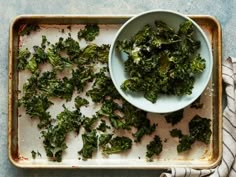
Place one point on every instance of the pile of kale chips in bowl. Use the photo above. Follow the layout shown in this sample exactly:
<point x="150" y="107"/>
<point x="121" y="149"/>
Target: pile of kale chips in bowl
<point x="160" y="61"/>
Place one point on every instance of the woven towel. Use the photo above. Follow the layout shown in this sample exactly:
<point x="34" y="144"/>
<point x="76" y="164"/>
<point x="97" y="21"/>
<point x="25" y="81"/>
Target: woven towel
<point x="227" y="167"/>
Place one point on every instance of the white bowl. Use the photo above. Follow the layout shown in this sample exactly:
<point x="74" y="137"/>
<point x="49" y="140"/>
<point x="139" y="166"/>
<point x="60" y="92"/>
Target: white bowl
<point x="164" y="103"/>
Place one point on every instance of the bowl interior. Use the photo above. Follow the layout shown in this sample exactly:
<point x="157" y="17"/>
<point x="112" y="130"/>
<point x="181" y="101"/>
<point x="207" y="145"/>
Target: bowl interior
<point x="164" y="103"/>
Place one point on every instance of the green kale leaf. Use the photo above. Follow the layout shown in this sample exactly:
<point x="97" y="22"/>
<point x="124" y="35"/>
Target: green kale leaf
<point x="200" y="129"/>
<point x="174" y="117"/>
<point x="23" y="55"/>
<point x="154" y="147"/>
<point x="89" y="32"/>
<point x="117" y="145"/>
<point x="103" y="126"/>
<point x="90" y="144"/>
<point x="185" y="143"/>
<point x="79" y="102"/>
<point x="104" y="139"/>
<point x="176" y="133"/>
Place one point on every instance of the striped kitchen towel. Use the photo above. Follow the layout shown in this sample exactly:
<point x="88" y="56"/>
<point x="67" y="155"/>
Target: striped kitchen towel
<point x="227" y="167"/>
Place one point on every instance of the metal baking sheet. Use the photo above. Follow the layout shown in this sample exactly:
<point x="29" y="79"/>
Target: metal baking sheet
<point x="24" y="136"/>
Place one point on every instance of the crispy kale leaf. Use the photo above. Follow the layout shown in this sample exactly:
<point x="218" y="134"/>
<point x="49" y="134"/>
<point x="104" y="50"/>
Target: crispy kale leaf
<point x="22" y="57"/>
<point x="176" y="133"/>
<point x="39" y="54"/>
<point x="102" y="88"/>
<point x="72" y="48"/>
<point x="158" y="58"/>
<point x="138" y="119"/>
<point x="90" y="144"/>
<point x="68" y="46"/>
<point x="104" y="139"/>
<point x="79" y="102"/>
<point x="132" y="117"/>
<point x="88" y="55"/>
<point x="53" y="87"/>
<point x="58" y="62"/>
<point x="117" y="144"/>
<point x="69" y="120"/>
<point x="103" y="126"/>
<point x="108" y="109"/>
<point x="27" y="29"/>
<point x="55" y="136"/>
<point x="154" y="147"/>
<point x="81" y="76"/>
<point x="36" y="107"/>
<point x="174" y="117"/>
<point x="103" y="52"/>
<point x="31" y="85"/>
<point x="88" y="122"/>
<point x="32" y="65"/>
<point x="89" y="32"/>
<point x="54" y="142"/>
<point x="93" y="53"/>
<point x="200" y="129"/>
<point x="185" y="143"/>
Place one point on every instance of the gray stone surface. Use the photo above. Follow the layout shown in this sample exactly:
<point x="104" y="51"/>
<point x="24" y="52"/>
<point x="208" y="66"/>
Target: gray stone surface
<point x="223" y="10"/>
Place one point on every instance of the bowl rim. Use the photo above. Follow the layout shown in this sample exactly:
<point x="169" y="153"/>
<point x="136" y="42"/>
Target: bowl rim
<point x="112" y="48"/>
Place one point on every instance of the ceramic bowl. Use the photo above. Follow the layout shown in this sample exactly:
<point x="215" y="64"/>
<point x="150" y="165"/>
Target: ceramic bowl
<point x="164" y="103"/>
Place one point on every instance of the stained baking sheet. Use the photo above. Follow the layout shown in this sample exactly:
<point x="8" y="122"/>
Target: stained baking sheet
<point x="24" y="135"/>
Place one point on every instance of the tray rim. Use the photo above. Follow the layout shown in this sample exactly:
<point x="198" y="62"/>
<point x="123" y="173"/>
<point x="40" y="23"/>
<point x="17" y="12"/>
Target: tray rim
<point x="14" y="161"/>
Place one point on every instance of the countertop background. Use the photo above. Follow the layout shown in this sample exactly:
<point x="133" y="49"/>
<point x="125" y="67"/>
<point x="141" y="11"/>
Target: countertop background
<point x="223" y="10"/>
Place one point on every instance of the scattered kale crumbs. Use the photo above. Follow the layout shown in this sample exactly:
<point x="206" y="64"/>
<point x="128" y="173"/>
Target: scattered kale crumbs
<point x="89" y="32"/>
<point x="34" y="154"/>
<point x="158" y="58"/>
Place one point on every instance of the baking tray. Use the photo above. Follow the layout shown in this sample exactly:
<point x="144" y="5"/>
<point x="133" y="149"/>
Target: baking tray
<point x="23" y="136"/>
